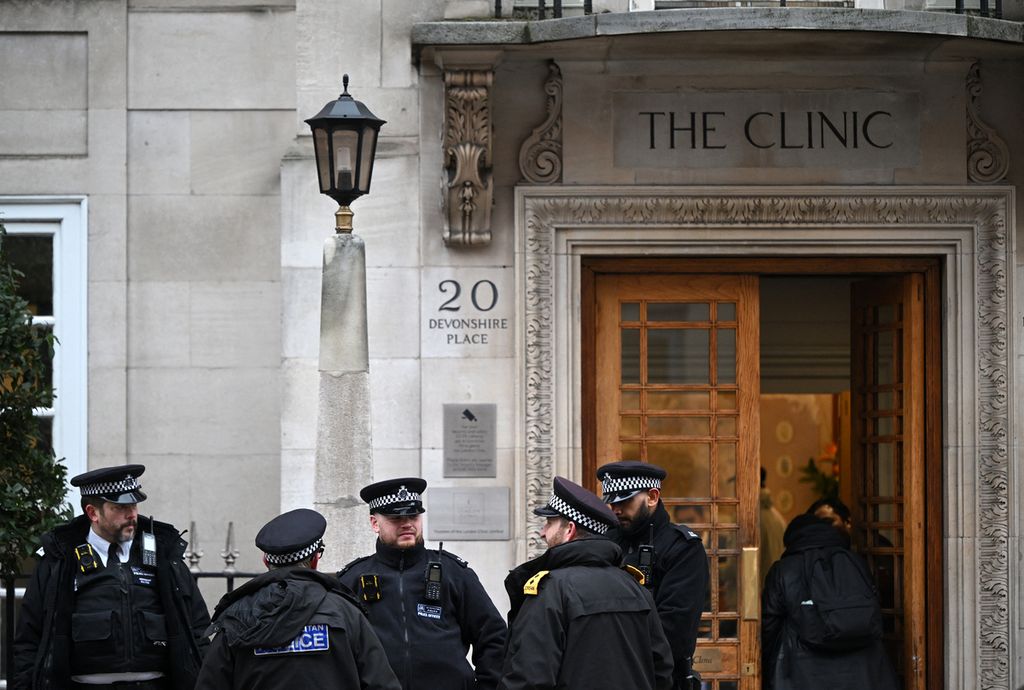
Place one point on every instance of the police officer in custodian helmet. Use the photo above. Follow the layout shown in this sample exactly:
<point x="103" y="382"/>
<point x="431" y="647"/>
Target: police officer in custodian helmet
<point x="428" y="607"/>
<point x="293" y="627"/>
<point x="111" y="603"/>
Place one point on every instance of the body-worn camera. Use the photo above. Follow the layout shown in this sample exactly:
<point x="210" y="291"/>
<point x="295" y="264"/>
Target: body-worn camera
<point x="87" y="559"/>
<point x="369" y="585"/>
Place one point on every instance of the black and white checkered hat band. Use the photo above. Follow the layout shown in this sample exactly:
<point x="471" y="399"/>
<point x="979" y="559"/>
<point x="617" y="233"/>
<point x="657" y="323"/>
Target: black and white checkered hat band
<point x="109" y="488"/>
<point x="585" y="521"/>
<point x="613" y="485"/>
<point x="403" y="496"/>
<point x="295" y="556"/>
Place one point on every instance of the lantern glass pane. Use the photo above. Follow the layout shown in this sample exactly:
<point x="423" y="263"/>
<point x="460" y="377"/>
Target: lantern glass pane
<point x="344" y="143"/>
<point x="323" y="162"/>
<point x="366" y="158"/>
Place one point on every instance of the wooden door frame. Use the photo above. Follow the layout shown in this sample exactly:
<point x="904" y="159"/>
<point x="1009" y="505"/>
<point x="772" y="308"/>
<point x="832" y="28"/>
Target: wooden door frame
<point x="929" y="267"/>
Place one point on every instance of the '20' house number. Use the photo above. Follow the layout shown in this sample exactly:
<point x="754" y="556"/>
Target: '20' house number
<point x="489" y="295"/>
<point x="467" y="330"/>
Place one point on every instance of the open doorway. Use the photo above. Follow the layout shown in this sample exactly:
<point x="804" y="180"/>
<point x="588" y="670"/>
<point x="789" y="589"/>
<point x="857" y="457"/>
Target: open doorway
<point x="811" y="369"/>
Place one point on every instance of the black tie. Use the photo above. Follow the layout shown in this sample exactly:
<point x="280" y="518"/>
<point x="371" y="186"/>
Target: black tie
<point x="114" y="555"/>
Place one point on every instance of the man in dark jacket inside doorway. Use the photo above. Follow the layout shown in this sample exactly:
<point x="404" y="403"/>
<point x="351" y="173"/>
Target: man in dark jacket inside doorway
<point x="793" y="659"/>
<point x="111" y="603"/>
<point x="578" y="620"/>
<point x="293" y="627"/>
<point x="671" y="556"/>
<point x="427" y="607"/>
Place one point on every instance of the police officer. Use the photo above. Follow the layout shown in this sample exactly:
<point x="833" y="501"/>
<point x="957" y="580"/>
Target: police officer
<point x="111" y="603"/>
<point x="578" y="620"/>
<point x="428" y="607"/>
<point x="293" y="626"/>
<point x="671" y="556"/>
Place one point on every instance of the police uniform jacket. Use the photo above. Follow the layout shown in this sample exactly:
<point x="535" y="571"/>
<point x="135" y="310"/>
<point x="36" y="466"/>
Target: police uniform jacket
<point x="293" y="627"/>
<point x="589" y="625"/>
<point x="157" y="613"/>
<point x="427" y="641"/>
<point x="788" y="664"/>
<point x="679" y="580"/>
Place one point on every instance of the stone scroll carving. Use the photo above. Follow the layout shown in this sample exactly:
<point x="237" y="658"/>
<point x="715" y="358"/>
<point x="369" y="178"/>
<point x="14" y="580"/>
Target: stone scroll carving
<point x="985" y="212"/>
<point x="468" y="163"/>
<point x="988" y="157"/>
<point x="540" y="156"/>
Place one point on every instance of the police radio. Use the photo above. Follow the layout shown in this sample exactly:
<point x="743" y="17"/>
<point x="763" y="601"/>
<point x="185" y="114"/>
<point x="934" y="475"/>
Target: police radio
<point x="645" y="562"/>
<point x="432" y="578"/>
<point x="149" y="546"/>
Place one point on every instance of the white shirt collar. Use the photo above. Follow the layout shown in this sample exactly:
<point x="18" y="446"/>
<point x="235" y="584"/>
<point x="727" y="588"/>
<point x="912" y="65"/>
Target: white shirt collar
<point x="100" y="546"/>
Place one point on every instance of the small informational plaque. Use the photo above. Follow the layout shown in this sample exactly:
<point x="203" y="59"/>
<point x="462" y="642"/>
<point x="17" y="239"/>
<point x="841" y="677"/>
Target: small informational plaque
<point x="468" y="514"/>
<point x="469" y="440"/>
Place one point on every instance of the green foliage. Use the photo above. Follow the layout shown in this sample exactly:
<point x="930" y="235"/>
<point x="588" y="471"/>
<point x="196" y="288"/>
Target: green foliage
<point x="825" y="485"/>
<point x="31" y="479"/>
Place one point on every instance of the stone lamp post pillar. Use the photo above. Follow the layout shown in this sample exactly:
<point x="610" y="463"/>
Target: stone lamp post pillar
<point x="345" y="142"/>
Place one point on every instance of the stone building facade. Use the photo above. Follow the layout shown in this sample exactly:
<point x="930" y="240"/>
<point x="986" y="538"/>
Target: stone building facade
<point x="769" y="161"/>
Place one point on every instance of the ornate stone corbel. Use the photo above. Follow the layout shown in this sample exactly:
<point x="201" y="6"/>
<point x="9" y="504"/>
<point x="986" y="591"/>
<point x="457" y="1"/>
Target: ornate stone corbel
<point x="540" y="156"/>
<point x="467" y="147"/>
<point x="988" y="157"/>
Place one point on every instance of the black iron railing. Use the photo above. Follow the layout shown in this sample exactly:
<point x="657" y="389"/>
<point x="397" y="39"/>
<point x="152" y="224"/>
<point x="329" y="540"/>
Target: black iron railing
<point x="13" y="589"/>
<point x="556" y="9"/>
<point x="542" y="9"/>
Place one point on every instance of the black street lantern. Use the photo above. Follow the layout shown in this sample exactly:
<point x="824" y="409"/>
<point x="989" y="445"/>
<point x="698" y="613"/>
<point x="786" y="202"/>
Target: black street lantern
<point x="345" y="141"/>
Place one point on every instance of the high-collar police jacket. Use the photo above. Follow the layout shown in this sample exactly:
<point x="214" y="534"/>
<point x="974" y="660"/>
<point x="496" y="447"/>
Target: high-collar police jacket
<point x="679" y="580"/>
<point x="293" y="628"/>
<point x="128" y="618"/>
<point x="426" y="639"/>
<point x="578" y="621"/>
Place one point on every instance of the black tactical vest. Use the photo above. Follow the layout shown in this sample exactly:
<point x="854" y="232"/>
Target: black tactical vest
<point x="118" y="622"/>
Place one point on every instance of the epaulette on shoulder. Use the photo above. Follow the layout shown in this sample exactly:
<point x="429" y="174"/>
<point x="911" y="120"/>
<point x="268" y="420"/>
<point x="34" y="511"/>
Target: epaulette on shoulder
<point x="350" y="564"/>
<point x="461" y="561"/>
<point x="532" y="586"/>
<point x="688" y="533"/>
<point x="636" y="573"/>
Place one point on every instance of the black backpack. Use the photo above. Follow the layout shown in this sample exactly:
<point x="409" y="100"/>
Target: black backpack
<point x="841" y="612"/>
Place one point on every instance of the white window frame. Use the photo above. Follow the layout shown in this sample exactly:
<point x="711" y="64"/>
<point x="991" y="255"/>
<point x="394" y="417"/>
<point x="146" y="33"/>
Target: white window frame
<point x="65" y="219"/>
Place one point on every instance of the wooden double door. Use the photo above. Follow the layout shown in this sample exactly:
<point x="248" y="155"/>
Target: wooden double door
<point x="672" y="377"/>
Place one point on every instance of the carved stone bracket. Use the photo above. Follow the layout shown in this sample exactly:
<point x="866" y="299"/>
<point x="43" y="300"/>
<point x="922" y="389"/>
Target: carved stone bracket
<point x="590" y="216"/>
<point x="988" y="157"/>
<point x="540" y="156"/>
<point x="467" y="146"/>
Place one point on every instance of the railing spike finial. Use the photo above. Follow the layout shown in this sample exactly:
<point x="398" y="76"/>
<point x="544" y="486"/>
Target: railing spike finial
<point x="230" y="553"/>
<point x="193" y="554"/>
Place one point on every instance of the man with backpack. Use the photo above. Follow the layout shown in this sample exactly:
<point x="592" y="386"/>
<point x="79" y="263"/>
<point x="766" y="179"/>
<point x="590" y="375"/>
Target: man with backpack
<point x="821" y="621"/>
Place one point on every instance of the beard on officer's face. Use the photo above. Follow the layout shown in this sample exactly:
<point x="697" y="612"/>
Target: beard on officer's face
<point x="399" y="532"/>
<point x="634" y="513"/>
<point x="117" y="522"/>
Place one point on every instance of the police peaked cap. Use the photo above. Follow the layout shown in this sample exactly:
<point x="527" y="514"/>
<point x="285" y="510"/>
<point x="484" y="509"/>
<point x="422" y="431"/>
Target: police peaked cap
<point x="573" y="502"/>
<point x="621" y="481"/>
<point x="402" y="496"/>
<point x="118" y="484"/>
<point x="292" y="537"/>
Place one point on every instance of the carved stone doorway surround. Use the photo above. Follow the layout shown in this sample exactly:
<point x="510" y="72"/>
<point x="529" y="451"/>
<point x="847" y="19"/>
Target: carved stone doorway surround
<point x="966" y="227"/>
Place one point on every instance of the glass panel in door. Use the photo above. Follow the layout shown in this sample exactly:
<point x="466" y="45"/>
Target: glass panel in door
<point x="887" y="468"/>
<point x="677" y="386"/>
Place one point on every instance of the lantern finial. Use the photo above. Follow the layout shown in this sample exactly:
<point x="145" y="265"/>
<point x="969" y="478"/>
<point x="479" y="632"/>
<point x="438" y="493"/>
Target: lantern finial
<point x="344" y="85"/>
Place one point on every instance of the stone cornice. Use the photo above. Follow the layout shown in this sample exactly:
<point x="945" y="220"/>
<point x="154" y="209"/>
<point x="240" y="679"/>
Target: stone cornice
<point x="525" y="33"/>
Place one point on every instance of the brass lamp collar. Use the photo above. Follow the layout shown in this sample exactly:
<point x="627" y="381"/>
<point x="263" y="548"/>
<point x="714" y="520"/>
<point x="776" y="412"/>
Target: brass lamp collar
<point x="343" y="220"/>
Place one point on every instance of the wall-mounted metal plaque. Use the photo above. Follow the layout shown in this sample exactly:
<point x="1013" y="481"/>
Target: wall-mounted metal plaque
<point x="469" y="440"/>
<point x="468" y="514"/>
